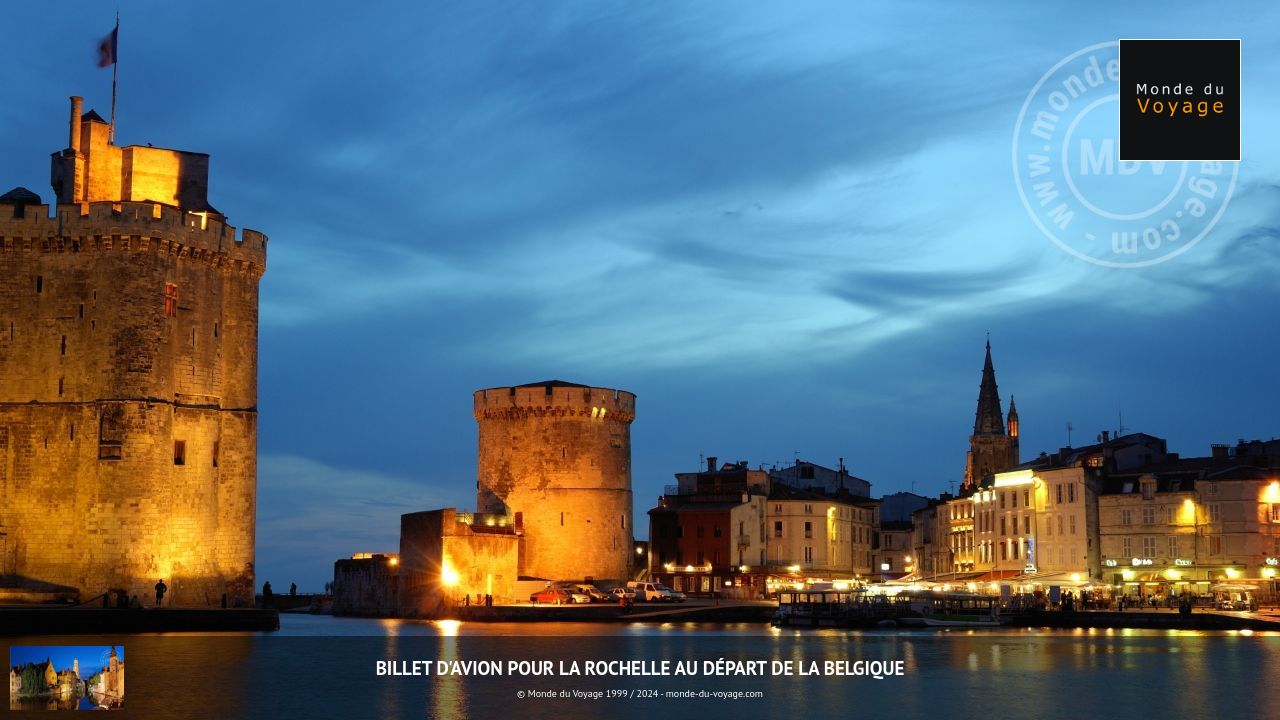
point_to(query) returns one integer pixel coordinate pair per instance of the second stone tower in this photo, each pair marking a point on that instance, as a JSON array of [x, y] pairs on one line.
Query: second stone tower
[[558, 455]]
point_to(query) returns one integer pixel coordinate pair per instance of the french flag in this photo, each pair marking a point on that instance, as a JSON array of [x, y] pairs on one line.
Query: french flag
[[107, 48]]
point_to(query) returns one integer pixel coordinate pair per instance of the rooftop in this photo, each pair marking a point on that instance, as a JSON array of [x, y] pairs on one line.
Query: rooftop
[[20, 195]]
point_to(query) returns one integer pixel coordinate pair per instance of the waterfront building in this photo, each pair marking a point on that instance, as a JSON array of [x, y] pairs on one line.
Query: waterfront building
[[796, 524], [708, 533], [128, 378], [892, 557], [898, 507], [1189, 524], [1039, 522], [811, 476], [961, 539], [931, 542], [448, 556], [819, 534], [109, 689]]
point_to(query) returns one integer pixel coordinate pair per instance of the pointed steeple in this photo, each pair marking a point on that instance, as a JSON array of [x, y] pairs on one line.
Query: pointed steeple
[[1013, 418], [988, 420]]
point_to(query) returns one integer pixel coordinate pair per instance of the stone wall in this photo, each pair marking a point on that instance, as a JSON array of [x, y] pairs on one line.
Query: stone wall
[[365, 586], [128, 401], [443, 559], [559, 455]]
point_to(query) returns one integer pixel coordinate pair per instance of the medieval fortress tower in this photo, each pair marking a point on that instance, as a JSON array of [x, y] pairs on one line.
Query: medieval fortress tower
[[558, 454], [128, 378]]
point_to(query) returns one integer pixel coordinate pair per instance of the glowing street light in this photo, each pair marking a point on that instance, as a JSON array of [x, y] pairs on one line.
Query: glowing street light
[[449, 576]]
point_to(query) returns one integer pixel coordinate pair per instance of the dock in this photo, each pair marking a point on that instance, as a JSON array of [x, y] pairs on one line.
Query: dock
[[101, 621]]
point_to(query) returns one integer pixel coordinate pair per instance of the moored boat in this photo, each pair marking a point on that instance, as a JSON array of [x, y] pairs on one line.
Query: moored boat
[[860, 608]]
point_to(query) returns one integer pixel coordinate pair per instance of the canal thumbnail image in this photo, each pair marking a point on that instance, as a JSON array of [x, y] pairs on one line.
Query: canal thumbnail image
[[66, 677]]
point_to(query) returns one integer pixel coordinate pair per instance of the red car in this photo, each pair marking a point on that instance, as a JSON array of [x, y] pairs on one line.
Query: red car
[[551, 596]]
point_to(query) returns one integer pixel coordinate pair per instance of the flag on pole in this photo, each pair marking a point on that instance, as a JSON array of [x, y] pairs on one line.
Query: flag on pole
[[107, 48]]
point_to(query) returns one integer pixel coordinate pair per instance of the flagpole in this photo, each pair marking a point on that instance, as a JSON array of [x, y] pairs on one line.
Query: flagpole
[[115, 70]]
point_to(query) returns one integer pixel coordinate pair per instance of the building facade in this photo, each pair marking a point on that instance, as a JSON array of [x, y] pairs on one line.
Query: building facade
[[931, 530], [128, 378], [806, 475], [109, 689], [893, 556], [961, 514], [820, 535], [707, 534], [1188, 525]]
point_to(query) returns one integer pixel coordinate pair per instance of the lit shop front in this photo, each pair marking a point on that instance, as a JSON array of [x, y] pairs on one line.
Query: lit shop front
[[1146, 578]]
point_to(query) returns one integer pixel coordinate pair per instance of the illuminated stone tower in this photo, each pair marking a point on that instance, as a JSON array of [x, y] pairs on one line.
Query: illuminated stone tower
[[559, 455], [128, 378], [991, 449]]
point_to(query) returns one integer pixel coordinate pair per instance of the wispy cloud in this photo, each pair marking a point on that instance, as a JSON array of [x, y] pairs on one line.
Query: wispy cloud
[[310, 514]]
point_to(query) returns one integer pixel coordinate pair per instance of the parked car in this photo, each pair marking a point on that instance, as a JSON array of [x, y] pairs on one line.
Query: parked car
[[620, 593], [577, 596], [551, 596], [592, 592], [672, 595]]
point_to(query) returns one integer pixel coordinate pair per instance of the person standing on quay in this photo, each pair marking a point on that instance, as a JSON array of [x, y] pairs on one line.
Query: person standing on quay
[[161, 588], [268, 599]]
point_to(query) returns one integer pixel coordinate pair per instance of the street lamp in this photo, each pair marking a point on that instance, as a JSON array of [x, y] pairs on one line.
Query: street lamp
[[449, 576]]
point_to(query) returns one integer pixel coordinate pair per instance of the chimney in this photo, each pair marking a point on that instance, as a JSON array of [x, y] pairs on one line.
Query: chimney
[[1220, 452], [76, 105], [711, 463], [1106, 435]]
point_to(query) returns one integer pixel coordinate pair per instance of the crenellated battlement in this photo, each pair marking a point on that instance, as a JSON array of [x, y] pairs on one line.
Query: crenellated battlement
[[555, 399], [134, 226]]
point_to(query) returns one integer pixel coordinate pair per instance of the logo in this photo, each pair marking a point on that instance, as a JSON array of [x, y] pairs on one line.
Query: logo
[[1096, 207], [1180, 100]]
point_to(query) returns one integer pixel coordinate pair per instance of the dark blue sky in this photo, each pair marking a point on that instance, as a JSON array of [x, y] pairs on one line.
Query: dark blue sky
[[92, 657], [786, 229]]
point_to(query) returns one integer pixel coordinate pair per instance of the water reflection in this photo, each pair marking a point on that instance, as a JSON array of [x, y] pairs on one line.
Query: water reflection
[[447, 698], [325, 667]]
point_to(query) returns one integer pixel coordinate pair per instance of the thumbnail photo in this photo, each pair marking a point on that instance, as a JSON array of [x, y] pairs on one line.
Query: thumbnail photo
[[66, 677]]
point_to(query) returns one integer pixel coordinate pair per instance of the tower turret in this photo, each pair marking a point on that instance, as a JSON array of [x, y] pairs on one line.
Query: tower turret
[[558, 455]]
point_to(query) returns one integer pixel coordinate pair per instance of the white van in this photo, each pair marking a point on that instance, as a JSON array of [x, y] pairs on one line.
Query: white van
[[650, 592]]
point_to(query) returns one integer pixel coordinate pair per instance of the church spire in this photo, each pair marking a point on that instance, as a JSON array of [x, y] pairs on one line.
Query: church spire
[[1013, 418], [989, 419]]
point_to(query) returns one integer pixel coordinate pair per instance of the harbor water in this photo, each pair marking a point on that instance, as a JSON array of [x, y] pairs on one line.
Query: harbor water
[[325, 667]]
